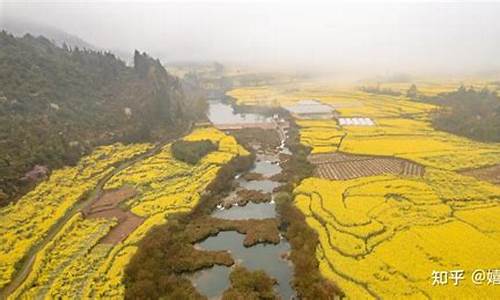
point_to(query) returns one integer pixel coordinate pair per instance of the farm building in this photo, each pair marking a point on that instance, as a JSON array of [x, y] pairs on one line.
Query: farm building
[[311, 109], [355, 122]]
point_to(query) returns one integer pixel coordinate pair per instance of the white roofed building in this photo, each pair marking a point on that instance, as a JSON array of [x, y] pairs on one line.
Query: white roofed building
[[357, 121], [311, 109]]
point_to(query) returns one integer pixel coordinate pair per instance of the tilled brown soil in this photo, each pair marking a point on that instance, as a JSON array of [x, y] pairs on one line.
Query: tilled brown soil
[[106, 206], [343, 166], [110, 199], [490, 173], [127, 223]]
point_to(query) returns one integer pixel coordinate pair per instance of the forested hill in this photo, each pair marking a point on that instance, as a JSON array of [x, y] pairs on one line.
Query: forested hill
[[57, 103]]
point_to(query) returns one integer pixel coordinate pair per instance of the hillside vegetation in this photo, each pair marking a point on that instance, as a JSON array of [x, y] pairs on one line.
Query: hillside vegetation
[[57, 104], [468, 112], [473, 112]]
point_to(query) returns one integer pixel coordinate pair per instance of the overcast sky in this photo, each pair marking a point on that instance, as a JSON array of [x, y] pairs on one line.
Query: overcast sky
[[379, 37]]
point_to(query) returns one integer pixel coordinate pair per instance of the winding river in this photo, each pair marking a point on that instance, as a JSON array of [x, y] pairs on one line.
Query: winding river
[[267, 257]]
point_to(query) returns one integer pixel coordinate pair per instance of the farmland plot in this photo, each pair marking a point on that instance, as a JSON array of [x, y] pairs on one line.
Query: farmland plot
[[403, 128], [165, 186], [106, 206], [25, 223], [383, 234], [363, 223], [341, 166], [88, 257], [488, 173]]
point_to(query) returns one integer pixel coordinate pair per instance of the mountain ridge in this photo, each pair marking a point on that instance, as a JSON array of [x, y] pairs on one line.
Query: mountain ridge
[[58, 103]]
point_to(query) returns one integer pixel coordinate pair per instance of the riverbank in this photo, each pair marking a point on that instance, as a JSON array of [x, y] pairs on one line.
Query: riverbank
[[251, 220]]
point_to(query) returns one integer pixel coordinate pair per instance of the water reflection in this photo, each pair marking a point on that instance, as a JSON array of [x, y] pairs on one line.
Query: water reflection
[[249, 211], [210, 282], [259, 257], [214, 281], [265, 185], [266, 168], [222, 113]]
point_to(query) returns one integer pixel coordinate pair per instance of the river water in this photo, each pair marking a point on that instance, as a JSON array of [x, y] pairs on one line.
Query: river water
[[223, 113], [267, 257]]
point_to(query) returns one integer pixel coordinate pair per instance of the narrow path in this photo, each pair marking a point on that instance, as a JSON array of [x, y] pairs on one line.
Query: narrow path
[[27, 263]]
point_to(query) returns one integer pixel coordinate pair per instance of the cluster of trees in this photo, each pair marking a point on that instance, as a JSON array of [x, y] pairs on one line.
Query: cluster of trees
[[192, 151], [296, 167], [468, 112], [380, 91], [267, 139], [57, 103]]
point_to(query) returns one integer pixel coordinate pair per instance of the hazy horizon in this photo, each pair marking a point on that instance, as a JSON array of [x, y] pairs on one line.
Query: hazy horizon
[[364, 38]]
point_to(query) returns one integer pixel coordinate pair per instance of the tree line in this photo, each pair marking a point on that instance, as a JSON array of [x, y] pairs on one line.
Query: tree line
[[467, 112]]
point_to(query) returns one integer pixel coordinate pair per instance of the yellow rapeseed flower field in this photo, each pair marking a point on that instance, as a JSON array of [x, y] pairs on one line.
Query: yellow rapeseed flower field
[[26, 222], [75, 240], [383, 236], [402, 127], [76, 265]]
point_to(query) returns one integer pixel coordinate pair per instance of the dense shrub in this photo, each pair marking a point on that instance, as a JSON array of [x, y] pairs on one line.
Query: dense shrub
[[296, 167], [268, 139], [246, 284], [307, 281], [192, 151]]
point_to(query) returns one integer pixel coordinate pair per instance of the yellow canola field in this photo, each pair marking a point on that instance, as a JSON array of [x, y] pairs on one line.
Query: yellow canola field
[[25, 223], [165, 183], [84, 268], [165, 186], [320, 135], [77, 237], [383, 236], [402, 128]]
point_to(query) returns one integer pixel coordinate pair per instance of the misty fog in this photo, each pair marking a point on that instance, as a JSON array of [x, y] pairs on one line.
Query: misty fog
[[328, 37]]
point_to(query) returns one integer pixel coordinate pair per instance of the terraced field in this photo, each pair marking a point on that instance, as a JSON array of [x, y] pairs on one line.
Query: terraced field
[[85, 259], [403, 128], [398, 200], [383, 236], [341, 166]]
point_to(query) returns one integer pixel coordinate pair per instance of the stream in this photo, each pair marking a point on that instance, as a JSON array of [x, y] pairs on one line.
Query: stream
[[214, 281]]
